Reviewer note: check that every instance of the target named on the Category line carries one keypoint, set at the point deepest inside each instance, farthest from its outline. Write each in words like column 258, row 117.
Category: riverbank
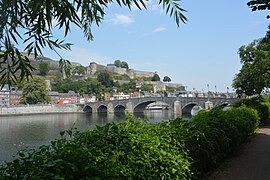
column 39, row 109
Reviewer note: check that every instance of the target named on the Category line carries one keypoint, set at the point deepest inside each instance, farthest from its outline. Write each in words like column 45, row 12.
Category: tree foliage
column 254, row 76
column 167, row 79
column 43, row 68
column 259, row 5
column 35, row 91
column 105, row 79
column 122, row 64
column 155, row 77
column 117, row 63
column 79, row 70
column 30, row 24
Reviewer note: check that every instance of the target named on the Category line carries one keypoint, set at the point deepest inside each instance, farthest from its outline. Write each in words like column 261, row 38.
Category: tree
column 259, row 5
column 30, row 25
column 155, row 77
column 124, row 64
column 35, row 91
column 167, row 79
column 79, row 70
column 117, row 63
column 254, row 76
column 105, row 79
column 43, row 68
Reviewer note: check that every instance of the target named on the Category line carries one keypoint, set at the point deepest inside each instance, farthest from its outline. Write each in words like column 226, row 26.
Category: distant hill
column 52, row 63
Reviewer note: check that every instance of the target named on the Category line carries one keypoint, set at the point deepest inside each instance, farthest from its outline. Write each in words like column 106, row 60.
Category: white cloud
column 120, row 19
column 160, row 29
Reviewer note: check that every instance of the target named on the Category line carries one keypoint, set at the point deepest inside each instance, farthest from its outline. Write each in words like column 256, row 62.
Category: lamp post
column 207, row 92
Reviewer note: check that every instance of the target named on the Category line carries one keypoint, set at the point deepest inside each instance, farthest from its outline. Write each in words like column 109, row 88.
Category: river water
column 31, row 131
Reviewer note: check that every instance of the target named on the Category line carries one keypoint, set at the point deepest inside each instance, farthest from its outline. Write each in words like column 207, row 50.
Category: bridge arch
column 224, row 104
column 119, row 108
column 102, row 108
column 141, row 106
column 88, row 108
column 187, row 109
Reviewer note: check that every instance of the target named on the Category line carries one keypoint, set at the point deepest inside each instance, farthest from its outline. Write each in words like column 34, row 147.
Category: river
column 17, row 132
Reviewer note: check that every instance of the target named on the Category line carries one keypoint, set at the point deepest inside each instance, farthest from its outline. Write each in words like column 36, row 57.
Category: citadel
column 94, row 67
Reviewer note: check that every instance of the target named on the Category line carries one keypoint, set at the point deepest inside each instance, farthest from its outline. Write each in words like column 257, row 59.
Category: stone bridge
column 180, row 105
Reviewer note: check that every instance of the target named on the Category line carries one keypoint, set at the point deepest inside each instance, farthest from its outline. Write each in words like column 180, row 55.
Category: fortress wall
column 120, row 70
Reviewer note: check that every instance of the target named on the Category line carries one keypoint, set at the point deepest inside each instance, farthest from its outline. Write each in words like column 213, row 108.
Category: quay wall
column 39, row 109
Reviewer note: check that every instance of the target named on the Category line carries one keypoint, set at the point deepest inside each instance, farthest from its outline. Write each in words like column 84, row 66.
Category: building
column 94, row 67
column 64, row 98
column 15, row 97
column 4, row 96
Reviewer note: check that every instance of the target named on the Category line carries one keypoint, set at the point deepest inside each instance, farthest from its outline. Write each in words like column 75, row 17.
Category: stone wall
column 39, row 109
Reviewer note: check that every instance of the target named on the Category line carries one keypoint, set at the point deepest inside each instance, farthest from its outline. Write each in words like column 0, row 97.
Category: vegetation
column 155, row 77
column 260, row 104
column 122, row 64
column 259, row 5
column 79, row 70
column 105, row 79
column 136, row 149
column 43, row 68
column 167, row 79
column 254, row 76
column 173, row 89
column 117, row 63
column 35, row 91
column 30, row 24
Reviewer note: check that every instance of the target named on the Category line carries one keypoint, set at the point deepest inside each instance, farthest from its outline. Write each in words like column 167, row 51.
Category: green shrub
column 138, row 149
column 261, row 104
column 129, row 150
column 217, row 133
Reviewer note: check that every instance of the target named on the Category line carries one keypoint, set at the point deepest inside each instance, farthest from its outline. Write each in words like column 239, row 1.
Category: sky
column 202, row 51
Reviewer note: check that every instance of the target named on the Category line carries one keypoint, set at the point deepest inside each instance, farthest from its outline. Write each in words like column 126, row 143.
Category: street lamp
column 207, row 92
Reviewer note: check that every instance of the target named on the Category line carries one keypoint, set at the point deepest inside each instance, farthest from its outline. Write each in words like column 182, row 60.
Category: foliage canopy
column 254, row 76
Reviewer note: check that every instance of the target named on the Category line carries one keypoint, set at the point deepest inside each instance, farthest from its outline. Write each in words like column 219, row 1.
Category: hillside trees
column 117, row 63
column 43, row 68
column 122, row 64
column 30, row 25
column 254, row 76
column 79, row 70
column 167, row 79
column 105, row 79
column 155, row 77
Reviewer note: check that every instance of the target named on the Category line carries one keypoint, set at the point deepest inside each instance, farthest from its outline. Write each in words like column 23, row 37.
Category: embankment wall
column 39, row 109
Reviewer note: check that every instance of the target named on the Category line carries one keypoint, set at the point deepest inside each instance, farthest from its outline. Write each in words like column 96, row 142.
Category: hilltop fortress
column 94, row 67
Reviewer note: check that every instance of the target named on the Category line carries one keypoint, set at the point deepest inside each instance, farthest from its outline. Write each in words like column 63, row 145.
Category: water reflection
column 35, row 130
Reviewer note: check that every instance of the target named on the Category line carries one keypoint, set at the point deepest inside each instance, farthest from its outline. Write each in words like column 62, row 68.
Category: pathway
column 253, row 163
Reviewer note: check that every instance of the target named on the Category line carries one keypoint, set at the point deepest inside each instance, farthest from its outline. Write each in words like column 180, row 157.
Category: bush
column 138, row 149
column 262, row 105
column 217, row 133
column 129, row 150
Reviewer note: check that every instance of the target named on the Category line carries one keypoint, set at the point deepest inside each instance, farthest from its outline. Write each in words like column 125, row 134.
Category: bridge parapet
column 177, row 104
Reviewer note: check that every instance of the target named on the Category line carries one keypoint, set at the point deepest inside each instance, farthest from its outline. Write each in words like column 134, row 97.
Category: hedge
column 138, row 149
